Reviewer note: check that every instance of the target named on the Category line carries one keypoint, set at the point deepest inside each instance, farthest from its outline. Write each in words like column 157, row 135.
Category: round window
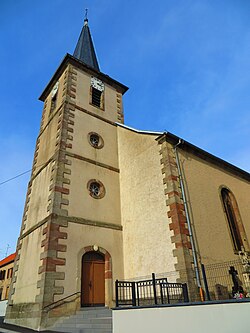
column 95, row 140
column 96, row 189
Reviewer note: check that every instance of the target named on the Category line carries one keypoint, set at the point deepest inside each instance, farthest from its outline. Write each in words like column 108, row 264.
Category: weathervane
column 7, row 249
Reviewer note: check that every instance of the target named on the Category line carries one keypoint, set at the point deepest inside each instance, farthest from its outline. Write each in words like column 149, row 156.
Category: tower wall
column 61, row 219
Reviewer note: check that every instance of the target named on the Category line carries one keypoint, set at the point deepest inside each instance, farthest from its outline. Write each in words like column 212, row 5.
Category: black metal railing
column 150, row 292
column 62, row 301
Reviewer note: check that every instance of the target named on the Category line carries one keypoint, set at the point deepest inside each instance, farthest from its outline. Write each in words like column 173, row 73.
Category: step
column 86, row 325
column 86, row 310
column 80, row 318
column 87, row 320
column 86, row 330
column 90, row 330
column 90, row 308
column 93, row 315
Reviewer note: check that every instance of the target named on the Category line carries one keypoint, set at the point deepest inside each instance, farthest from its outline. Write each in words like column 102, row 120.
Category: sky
column 186, row 63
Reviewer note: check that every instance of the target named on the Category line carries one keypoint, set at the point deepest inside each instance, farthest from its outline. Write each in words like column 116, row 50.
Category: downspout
column 194, row 252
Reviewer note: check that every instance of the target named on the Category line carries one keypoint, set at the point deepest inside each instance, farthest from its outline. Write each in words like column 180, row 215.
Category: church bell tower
column 70, row 247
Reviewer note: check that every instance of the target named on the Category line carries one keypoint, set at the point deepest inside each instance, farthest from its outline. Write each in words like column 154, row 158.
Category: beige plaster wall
column 80, row 236
column 47, row 143
column 202, row 181
column 83, row 97
column 146, row 235
column 85, row 124
column 29, row 262
column 81, row 204
column 37, row 206
column 49, row 113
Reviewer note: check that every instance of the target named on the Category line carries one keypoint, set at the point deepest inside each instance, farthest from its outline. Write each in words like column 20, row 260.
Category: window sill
column 97, row 107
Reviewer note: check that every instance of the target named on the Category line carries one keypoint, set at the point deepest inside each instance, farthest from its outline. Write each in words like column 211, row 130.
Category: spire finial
column 86, row 16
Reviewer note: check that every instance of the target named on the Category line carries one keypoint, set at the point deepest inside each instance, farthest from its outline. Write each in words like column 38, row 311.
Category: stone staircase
column 87, row 320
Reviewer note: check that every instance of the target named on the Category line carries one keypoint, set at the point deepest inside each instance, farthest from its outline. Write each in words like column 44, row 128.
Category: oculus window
column 95, row 140
column 96, row 189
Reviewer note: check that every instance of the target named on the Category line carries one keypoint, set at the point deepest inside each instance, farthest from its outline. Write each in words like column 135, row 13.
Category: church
column 107, row 202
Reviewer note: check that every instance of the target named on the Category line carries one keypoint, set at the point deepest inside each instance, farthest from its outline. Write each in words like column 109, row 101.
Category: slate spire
column 84, row 50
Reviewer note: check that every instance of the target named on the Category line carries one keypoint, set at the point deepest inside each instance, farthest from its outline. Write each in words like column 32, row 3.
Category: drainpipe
column 194, row 252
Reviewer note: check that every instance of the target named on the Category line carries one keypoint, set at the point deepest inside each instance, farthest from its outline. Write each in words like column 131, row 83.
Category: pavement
column 8, row 328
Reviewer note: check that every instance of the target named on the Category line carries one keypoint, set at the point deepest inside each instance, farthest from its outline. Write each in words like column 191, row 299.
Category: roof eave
column 78, row 63
column 187, row 146
column 8, row 260
column 139, row 131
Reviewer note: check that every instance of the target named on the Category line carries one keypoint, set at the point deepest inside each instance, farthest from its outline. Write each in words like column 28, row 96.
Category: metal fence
column 225, row 280
column 219, row 281
column 150, row 292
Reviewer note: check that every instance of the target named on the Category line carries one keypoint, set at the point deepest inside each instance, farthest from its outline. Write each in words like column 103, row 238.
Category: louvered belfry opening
column 96, row 97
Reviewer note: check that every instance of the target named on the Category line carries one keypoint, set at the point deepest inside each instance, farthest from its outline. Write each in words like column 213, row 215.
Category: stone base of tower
column 32, row 316
column 24, row 314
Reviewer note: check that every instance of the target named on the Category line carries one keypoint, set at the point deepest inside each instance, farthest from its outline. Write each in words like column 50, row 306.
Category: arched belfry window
column 234, row 220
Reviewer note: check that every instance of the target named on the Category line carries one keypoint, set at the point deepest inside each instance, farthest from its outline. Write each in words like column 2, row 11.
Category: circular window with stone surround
column 95, row 140
column 96, row 189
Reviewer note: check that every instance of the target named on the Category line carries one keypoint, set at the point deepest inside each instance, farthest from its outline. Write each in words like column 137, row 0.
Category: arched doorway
column 93, row 279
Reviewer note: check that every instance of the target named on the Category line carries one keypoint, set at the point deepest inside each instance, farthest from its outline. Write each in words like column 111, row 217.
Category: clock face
column 54, row 90
column 97, row 84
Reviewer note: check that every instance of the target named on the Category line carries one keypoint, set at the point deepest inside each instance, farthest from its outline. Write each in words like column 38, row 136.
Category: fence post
column 185, row 292
column 116, row 294
column 154, row 287
column 138, row 294
column 168, row 294
column 133, row 294
column 203, row 271
column 162, row 299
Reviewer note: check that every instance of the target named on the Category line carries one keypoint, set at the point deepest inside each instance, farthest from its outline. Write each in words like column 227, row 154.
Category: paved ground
column 7, row 328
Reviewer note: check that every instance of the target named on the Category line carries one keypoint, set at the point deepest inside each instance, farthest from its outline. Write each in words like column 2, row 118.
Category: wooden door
column 93, row 281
